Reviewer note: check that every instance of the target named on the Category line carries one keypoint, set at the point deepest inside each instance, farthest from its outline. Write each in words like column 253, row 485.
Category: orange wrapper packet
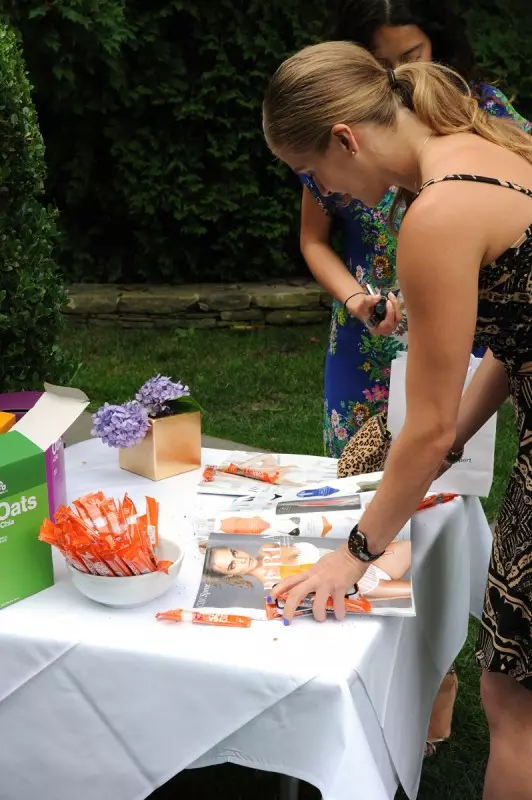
column 205, row 618
column 106, row 538
column 144, row 538
column 138, row 561
column 152, row 514
column 88, row 499
column 357, row 605
column 436, row 500
column 51, row 534
column 128, row 509
column 271, row 475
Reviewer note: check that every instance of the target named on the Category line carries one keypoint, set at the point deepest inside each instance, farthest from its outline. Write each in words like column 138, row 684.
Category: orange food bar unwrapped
column 205, row 618
column 104, row 537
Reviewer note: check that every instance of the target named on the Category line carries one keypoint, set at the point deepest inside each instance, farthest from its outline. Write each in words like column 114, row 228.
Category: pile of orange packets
column 102, row 537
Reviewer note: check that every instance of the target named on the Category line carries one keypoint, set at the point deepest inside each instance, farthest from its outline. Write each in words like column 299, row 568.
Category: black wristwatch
column 357, row 544
column 454, row 456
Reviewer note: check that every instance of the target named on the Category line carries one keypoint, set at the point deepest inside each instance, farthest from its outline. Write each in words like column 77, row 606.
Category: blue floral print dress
column 357, row 367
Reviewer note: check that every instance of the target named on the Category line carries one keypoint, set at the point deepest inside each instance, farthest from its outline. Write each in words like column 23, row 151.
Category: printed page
column 241, row 570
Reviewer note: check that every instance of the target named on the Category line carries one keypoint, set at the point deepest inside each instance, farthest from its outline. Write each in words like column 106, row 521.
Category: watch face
column 359, row 541
column 358, row 546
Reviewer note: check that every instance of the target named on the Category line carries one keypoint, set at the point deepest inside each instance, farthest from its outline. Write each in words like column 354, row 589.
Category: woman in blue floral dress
column 357, row 368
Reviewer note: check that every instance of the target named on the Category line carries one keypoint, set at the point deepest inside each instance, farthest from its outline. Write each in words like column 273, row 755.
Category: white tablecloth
column 101, row 704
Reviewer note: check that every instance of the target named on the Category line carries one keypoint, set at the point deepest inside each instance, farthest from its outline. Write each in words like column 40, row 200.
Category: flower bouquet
column 158, row 434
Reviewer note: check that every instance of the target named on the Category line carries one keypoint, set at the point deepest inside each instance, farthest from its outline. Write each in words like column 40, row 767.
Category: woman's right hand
column 362, row 306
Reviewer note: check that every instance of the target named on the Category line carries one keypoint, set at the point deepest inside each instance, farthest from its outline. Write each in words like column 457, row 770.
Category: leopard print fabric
column 368, row 449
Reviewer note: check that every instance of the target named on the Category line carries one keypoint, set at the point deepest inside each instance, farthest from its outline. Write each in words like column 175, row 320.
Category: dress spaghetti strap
column 477, row 179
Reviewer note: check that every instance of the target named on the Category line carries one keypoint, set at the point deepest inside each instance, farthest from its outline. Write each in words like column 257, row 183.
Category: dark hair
column 359, row 20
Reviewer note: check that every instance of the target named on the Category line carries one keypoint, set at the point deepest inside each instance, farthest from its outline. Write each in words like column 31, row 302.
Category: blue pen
column 321, row 491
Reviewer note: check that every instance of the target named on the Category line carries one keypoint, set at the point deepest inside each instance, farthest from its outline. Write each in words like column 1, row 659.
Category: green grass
column 264, row 388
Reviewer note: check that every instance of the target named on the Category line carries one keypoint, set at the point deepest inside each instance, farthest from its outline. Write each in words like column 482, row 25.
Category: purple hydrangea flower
column 121, row 426
column 158, row 391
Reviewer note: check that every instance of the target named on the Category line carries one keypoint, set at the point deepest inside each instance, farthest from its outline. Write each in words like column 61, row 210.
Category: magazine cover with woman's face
column 240, row 570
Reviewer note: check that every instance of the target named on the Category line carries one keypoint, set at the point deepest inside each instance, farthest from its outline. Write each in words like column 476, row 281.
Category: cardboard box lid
column 55, row 411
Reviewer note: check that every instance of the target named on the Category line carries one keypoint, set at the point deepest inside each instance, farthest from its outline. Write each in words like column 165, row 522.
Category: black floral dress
column 505, row 326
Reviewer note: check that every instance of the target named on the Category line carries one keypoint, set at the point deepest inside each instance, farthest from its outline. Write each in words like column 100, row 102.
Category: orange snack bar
column 104, row 537
column 205, row 618
column 353, row 605
column 144, row 538
column 128, row 508
column 266, row 475
column 152, row 514
column 436, row 500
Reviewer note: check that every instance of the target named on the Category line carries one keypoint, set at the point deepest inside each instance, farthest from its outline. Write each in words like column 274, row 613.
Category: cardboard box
column 26, row 563
column 19, row 403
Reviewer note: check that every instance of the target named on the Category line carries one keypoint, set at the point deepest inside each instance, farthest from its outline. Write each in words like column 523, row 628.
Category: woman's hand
column 362, row 307
column 333, row 576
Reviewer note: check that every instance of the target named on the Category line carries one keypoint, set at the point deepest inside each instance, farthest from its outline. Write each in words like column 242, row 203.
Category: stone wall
column 200, row 306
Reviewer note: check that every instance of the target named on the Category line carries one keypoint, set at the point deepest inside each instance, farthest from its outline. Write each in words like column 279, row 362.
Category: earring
column 353, row 152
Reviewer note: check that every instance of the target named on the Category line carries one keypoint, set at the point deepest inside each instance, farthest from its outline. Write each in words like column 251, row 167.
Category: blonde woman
column 464, row 262
column 357, row 364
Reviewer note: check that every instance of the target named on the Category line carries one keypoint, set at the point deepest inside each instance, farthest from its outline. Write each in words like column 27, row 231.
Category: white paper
column 473, row 475
column 53, row 414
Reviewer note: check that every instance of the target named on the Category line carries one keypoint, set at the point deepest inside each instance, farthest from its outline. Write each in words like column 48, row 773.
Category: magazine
column 340, row 493
column 241, row 569
column 248, row 473
column 302, row 521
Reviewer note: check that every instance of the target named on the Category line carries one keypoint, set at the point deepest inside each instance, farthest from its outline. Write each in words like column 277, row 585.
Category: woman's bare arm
column 439, row 257
column 328, row 269
column 484, row 396
column 331, row 272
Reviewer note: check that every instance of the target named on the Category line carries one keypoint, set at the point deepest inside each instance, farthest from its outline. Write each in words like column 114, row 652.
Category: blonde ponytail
column 339, row 82
column 443, row 101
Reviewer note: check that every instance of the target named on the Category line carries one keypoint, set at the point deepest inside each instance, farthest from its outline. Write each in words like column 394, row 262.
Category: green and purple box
column 32, row 486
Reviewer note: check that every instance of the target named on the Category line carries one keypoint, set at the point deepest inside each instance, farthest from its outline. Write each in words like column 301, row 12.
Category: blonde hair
column 340, row 82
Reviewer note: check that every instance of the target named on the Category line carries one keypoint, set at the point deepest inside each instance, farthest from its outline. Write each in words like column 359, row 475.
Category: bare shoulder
column 441, row 206
column 442, row 221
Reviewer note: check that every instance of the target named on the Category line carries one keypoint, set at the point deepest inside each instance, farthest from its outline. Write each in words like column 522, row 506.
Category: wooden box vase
column 171, row 446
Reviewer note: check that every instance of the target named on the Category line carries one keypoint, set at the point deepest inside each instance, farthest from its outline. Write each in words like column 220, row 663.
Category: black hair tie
column 392, row 80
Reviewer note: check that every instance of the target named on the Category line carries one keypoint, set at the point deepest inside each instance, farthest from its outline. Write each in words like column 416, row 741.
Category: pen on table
column 205, row 618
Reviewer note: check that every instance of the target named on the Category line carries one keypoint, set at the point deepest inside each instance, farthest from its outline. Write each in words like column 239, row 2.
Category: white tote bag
column 472, row 475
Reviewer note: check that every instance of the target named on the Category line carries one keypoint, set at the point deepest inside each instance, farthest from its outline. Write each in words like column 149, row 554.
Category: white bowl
column 135, row 590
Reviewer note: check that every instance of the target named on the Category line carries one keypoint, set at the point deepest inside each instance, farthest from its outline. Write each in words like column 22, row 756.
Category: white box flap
column 52, row 415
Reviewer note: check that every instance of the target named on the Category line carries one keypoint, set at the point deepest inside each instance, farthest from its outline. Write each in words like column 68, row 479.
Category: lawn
column 263, row 388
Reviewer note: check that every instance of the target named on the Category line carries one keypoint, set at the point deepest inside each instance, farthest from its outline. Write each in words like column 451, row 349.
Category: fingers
column 319, row 604
column 295, row 597
column 392, row 319
column 288, row 584
column 339, row 604
column 396, row 307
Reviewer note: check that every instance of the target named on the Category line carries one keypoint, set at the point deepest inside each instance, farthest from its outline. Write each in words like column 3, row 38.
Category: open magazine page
column 247, row 473
column 240, row 570
column 340, row 493
column 313, row 519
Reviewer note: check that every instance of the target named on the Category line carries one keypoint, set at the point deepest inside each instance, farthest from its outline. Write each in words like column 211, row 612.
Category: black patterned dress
column 504, row 325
